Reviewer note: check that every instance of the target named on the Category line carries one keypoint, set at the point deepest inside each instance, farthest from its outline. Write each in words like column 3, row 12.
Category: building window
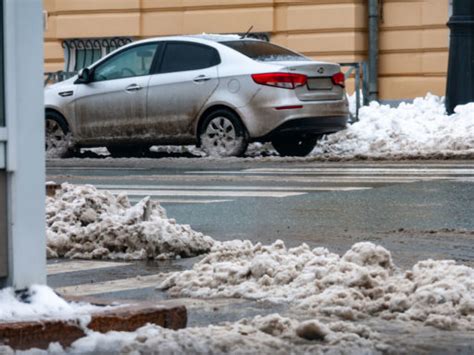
column 450, row 11
column 80, row 53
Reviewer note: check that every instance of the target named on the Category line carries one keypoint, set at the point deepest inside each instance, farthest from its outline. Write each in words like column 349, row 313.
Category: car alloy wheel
column 58, row 143
column 223, row 135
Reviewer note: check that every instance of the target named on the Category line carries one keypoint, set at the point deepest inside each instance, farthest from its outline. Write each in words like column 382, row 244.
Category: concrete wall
column 414, row 37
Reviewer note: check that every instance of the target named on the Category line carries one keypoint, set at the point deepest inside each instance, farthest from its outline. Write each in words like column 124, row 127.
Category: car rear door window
column 264, row 51
column 135, row 61
column 188, row 56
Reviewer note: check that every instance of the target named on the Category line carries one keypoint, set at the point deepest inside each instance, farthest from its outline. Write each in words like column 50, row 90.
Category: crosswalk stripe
column 80, row 265
column 179, row 200
column 302, row 177
column 227, row 188
column 253, row 178
column 134, row 283
column 397, row 174
column 209, row 193
column 372, row 172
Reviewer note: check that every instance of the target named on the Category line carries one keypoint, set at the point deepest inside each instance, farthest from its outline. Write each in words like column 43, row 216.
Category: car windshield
column 264, row 51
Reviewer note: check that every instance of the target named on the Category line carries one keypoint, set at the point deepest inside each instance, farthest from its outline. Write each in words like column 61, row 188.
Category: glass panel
column 3, row 226
column 135, row 61
column 264, row 51
column 187, row 56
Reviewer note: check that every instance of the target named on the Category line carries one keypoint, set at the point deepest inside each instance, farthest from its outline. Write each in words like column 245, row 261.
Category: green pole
column 460, row 84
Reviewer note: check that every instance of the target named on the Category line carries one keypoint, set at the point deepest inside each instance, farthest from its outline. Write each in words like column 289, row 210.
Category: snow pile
column 40, row 302
column 418, row 130
column 362, row 283
column 271, row 334
column 83, row 222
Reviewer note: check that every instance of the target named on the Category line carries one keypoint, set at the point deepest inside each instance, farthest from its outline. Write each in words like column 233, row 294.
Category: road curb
column 39, row 334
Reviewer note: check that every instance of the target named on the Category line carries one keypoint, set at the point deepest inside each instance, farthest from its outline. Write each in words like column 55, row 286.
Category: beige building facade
column 414, row 37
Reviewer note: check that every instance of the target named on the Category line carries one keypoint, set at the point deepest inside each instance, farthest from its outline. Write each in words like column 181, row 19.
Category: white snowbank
column 41, row 303
column 270, row 334
column 418, row 130
column 83, row 222
column 362, row 283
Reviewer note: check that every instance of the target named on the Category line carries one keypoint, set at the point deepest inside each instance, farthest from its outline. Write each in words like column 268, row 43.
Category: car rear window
column 264, row 51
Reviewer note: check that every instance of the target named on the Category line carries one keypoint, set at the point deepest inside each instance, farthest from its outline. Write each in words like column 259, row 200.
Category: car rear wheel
column 58, row 142
column 223, row 135
column 294, row 146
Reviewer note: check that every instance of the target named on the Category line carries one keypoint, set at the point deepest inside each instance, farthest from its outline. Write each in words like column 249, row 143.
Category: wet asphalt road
column 417, row 210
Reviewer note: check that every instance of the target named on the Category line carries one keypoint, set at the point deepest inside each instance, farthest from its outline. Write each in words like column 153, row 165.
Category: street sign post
column 22, row 163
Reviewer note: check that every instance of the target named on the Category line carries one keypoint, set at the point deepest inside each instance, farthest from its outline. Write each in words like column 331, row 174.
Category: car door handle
column 201, row 78
column 133, row 87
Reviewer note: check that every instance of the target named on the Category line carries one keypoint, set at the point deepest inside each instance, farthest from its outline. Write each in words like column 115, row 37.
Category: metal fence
column 361, row 85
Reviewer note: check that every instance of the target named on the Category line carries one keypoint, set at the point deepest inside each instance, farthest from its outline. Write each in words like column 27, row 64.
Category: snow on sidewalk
column 362, row 284
column 270, row 334
column 85, row 223
column 41, row 303
column 421, row 129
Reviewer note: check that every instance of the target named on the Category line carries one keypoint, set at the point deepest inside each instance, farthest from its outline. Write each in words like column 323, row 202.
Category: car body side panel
column 107, row 112
column 174, row 102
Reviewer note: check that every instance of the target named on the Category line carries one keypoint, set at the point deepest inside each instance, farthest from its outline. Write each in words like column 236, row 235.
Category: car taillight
column 280, row 80
column 339, row 79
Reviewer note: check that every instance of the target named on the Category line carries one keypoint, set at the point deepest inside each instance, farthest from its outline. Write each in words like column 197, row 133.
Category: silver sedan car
column 218, row 92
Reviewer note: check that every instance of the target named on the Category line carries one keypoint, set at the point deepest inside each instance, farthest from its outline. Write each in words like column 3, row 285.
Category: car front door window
column 136, row 61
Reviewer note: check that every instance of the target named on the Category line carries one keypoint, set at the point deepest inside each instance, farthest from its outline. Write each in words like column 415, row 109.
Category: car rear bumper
column 309, row 126
column 280, row 111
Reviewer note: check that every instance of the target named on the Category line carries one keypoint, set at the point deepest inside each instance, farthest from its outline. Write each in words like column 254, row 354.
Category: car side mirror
column 84, row 76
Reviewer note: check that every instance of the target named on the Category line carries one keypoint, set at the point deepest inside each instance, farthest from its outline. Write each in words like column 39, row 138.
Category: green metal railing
column 359, row 70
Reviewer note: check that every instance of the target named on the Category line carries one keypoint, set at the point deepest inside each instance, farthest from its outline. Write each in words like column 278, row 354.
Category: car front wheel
column 223, row 135
column 294, row 146
column 58, row 142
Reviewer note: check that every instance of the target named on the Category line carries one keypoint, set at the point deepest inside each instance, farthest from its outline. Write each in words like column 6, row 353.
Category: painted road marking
column 134, row 283
column 326, row 172
column 209, row 193
column 81, row 265
column 236, row 188
column 170, row 200
column 373, row 171
column 253, row 178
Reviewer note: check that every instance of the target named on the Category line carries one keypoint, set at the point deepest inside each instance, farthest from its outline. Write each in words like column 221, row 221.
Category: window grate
column 82, row 52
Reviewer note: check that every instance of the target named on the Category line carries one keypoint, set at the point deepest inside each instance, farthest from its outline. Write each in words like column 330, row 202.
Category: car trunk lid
column 320, row 85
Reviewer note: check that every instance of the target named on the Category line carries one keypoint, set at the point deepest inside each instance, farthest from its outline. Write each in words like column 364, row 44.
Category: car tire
column 58, row 139
column 294, row 146
column 126, row 151
column 222, row 134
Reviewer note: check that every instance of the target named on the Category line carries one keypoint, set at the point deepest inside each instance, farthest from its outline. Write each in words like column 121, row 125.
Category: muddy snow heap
column 362, row 283
column 85, row 223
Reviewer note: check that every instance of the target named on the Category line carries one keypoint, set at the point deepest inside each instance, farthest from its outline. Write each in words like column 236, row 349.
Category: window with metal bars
column 82, row 52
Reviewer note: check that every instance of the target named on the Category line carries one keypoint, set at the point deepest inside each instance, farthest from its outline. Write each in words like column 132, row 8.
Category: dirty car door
column 113, row 106
column 186, row 78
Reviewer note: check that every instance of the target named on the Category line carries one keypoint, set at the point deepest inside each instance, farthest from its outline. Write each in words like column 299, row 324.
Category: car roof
column 199, row 38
